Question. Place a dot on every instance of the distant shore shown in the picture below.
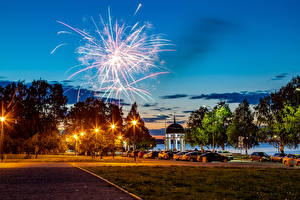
(264, 147)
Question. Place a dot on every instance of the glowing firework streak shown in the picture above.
(118, 58)
(63, 44)
(137, 9)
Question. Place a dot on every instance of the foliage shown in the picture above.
(209, 127)
(284, 132)
(277, 118)
(215, 123)
(138, 135)
(196, 135)
(93, 119)
(243, 125)
(33, 113)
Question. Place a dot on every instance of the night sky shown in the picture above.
(224, 50)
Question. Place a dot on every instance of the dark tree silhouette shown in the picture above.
(243, 125)
(138, 135)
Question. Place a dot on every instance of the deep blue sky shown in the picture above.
(224, 49)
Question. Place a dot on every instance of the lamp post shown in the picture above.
(298, 95)
(96, 130)
(134, 122)
(75, 137)
(113, 127)
(2, 119)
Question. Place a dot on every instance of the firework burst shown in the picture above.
(118, 57)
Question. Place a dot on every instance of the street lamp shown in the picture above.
(297, 95)
(134, 122)
(113, 132)
(75, 137)
(113, 126)
(2, 119)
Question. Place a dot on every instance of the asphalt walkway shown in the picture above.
(53, 181)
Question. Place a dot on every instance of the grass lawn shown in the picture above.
(178, 182)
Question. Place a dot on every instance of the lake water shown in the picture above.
(264, 147)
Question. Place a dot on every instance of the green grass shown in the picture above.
(184, 183)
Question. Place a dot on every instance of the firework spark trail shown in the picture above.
(119, 57)
(137, 9)
(60, 45)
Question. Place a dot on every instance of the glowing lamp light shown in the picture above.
(82, 133)
(96, 130)
(113, 126)
(134, 122)
(75, 136)
(2, 119)
(120, 137)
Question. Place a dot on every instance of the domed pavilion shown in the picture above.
(174, 136)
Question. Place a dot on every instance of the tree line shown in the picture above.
(38, 120)
(275, 120)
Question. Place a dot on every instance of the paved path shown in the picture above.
(53, 181)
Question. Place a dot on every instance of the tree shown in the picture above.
(44, 109)
(31, 110)
(138, 134)
(215, 122)
(91, 118)
(284, 132)
(196, 135)
(196, 117)
(243, 126)
(223, 119)
(273, 115)
(116, 119)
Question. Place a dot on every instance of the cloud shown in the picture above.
(4, 83)
(187, 111)
(177, 122)
(147, 105)
(279, 77)
(175, 96)
(157, 131)
(234, 97)
(198, 38)
(161, 109)
(155, 118)
(67, 81)
(73, 93)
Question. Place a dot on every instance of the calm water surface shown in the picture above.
(264, 147)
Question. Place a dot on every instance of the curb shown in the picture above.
(116, 186)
